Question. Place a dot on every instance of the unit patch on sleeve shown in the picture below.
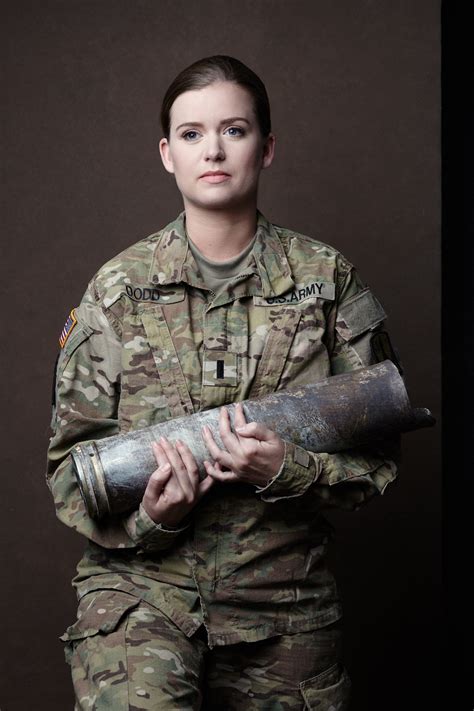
(68, 328)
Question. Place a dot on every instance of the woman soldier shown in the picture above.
(214, 594)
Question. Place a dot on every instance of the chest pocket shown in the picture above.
(153, 385)
(167, 363)
(275, 352)
(294, 352)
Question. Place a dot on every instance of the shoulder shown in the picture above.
(102, 298)
(131, 266)
(308, 252)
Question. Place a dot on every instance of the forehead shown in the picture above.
(212, 103)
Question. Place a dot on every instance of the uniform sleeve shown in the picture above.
(347, 479)
(87, 393)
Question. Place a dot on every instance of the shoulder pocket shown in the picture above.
(100, 612)
(81, 333)
(358, 314)
(329, 691)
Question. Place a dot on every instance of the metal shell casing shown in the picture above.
(340, 412)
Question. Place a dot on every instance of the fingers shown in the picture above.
(214, 471)
(191, 468)
(164, 465)
(158, 480)
(174, 487)
(250, 429)
(230, 440)
(257, 431)
(219, 455)
(250, 454)
(159, 453)
(204, 486)
(239, 416)
(253, 454)
(242, 428)
(190, 464)
(238, 452)
(183, 466)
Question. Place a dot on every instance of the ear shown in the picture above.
(165, 154)
(268, 150)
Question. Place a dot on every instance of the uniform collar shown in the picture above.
(173, 261)
(271, 260)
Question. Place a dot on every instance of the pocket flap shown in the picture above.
(358, 314)
(99, 612)
(328, 691)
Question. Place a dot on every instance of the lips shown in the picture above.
(213, 173)
(217, 176)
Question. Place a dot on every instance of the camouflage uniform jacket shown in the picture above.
(143, 347)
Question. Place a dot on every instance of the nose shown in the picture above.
(214, 149)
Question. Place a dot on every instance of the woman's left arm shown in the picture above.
(282, 469)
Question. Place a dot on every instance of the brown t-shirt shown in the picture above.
(216, 275)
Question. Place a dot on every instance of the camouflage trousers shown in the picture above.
(125, 654)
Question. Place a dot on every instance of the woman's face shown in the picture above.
(215, 130)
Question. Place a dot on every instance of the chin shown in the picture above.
(217, 202)
(223, 201)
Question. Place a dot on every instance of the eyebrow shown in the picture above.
(232, 119)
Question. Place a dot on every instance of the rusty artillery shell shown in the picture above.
(331, 415)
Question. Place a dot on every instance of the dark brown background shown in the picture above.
(354, 87)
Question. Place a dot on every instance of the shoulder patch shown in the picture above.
(362, 312)
(68, 328)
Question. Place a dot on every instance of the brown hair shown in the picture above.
(212, 69)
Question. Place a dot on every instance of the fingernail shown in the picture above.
(239, 429)
(165, 467)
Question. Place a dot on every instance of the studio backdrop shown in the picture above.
(355, 92)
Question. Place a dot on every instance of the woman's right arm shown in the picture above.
(85, 407)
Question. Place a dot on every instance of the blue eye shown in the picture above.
(190, 135)
(235, 131)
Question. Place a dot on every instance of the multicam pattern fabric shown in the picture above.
(151, 343)
(127, 656)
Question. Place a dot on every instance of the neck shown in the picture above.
(221, 234)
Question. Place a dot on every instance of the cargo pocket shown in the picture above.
(98, 613)
(329, 691)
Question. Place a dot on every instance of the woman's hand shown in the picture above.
(174, 488)
(254, 454)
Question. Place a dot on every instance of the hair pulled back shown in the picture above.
(208, 70)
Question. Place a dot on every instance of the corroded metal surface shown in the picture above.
(340, 412)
